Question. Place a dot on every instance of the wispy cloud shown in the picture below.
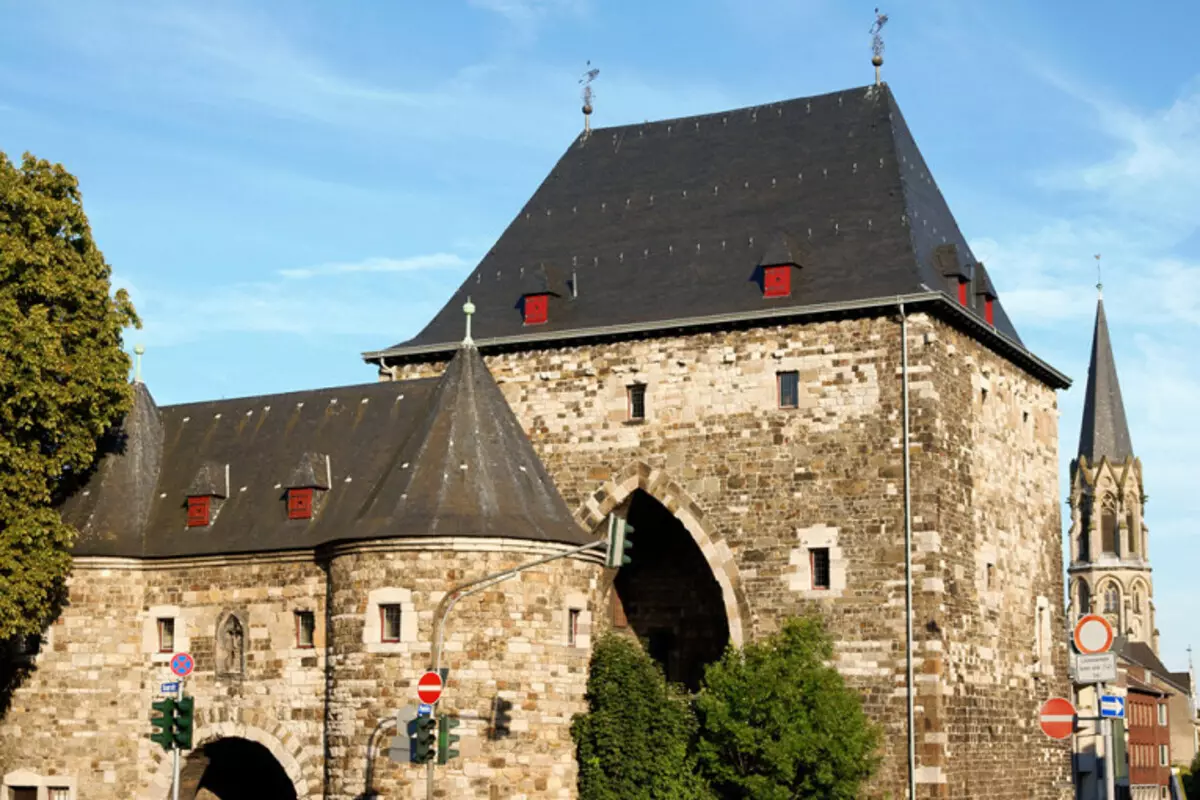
(432, 261)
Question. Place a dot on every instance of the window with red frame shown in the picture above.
(819, 562)
(166, 635)
(198, 511)
(300, 503)
(777, 281)
(536, 308)
(389, 621)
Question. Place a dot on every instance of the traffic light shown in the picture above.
(619, 546)
(423, 744)
(446, 739)
(162, 717)
(184, 722)
(502, 722)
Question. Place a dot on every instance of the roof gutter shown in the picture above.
(941, 302)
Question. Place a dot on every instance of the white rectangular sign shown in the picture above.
(1096, 668)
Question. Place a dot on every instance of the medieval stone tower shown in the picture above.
(1110, 559)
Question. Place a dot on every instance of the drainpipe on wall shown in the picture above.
(908, 591)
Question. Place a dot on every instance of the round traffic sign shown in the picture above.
(1093, 634)
(182, 665)
(1057, 718)
(429, 688)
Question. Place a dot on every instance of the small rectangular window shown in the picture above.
(789, 389)
(58, 793)
(166, 635)
(573, 617)
(1162, 714)
(306, 624)
(1164, 755)
(637, 401)
(819, 561)
(989, 577)
(389, 618)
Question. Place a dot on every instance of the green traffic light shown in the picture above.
(184, 722)
(162, 717)
(447, 740)
(626, 556)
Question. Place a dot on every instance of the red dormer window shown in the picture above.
(989, 311)
(300, 503)
(777, 281)
(963, 284)
(536, 308)
(197, 511)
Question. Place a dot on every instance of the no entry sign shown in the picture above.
(1093, 634)
(429, 688)
(1057, 718)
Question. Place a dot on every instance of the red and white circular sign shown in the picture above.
(429, 688)
(1057, 718)
(1093, 634)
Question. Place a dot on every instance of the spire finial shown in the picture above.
(1099, 279)
(468, 309)
(586, 82)
(138, 350)
(877, 43)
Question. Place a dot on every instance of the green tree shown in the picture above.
(1190, 778)
(777, 722)
(633, 742)
(63, 378)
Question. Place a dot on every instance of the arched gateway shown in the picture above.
(234, 762)
(681, 595)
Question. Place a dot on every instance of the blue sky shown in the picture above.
(284, 185)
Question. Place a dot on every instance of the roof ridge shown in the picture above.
(366, 385)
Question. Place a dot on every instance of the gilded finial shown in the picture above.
(877, 42)
(468, 310)
(138, 350)
(586, 83)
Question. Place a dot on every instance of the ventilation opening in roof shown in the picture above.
(777, 281)
(535, 308)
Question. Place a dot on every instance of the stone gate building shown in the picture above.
(707, 324)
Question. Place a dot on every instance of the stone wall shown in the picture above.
(757, 485)
(83, 713)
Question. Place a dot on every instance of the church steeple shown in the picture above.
(1104, 432)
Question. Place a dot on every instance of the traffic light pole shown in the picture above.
(473, 587)
(175, 754)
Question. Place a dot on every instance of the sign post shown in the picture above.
(1094, 636)
(182, 665)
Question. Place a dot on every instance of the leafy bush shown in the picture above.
(777, 723)
(634, 741)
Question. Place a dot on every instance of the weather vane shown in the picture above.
(586, 83)
(877, 42)
(1099, 276)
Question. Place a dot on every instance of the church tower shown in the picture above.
(1110, 560)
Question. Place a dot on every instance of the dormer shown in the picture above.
(780, 258)
(538, 285)
(986, 294)
(310, 479)
(206, 492)
(956, 273)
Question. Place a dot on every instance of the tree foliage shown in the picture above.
(776, 722)
(63, 377)
(633, 743)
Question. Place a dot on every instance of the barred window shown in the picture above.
(819, 561)
(637, 401)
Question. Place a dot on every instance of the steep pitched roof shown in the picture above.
(419, 458)
(663, 225)
(1143, 655)
(1104, 432)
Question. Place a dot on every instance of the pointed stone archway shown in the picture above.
(658, 485)
(231, 747)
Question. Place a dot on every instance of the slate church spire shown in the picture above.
(1110, 561)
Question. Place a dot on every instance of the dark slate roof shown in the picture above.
(1143, 655)
(661, 225)
(431, 457)
(1104, 432)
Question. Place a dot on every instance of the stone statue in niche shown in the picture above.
(232, 641)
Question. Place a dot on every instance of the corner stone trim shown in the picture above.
(665, 490)
(285, 748)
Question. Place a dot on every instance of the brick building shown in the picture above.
(759, 333)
